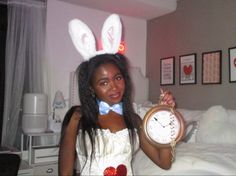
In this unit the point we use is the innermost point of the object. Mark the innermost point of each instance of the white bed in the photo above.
(209, 147)
(193, 159)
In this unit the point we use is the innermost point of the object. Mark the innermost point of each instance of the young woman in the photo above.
(103, 134)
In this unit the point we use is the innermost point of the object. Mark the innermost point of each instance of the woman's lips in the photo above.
(115, 95)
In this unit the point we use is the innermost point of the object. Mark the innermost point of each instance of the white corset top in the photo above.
(111, 150)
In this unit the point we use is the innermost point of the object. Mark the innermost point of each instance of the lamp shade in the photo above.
(59, 101)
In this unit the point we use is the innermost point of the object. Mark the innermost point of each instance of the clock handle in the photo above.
(172, 144)
(162, 94)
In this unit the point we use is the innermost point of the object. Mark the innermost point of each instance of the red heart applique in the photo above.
(188, 69)
(234, 62)
(119, 171)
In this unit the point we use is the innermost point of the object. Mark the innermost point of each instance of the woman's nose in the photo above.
(113, 85)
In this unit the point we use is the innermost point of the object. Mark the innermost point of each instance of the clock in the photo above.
(163, 126)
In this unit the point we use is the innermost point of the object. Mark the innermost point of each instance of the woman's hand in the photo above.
(166, 98)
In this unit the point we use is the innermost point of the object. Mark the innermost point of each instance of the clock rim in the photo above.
(177, 114)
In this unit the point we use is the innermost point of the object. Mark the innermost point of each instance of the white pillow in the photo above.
(135, 106)
(142, 108)
(191, 118)
(215, 127)
(143, 111)
(190, 132)
(232, 116)
(191, 115)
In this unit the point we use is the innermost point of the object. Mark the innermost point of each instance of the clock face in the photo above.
(163, 127)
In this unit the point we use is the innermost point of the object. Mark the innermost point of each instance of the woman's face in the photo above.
(108, 83)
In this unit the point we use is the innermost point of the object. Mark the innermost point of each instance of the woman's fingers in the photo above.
(167, 98)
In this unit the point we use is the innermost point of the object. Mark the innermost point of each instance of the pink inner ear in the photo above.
(110, 33)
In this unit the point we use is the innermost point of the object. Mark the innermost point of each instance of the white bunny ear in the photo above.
(83, 38)
(111, 34)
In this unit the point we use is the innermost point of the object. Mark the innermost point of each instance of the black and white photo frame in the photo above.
(167, 68)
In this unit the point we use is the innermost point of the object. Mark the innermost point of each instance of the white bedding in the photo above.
(192, 159)
(210, 150)
(210, 142)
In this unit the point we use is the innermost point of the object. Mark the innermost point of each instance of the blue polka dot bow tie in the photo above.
(104, 108)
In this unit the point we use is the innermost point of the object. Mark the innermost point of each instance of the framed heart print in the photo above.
(187, 68)
(232, 64)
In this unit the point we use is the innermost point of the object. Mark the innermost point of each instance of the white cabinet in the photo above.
(43, 169)
(46, 150)
(46, 169)
(25, 169)
(42, 157)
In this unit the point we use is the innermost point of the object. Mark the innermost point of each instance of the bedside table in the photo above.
(42, 158)
(50, 149)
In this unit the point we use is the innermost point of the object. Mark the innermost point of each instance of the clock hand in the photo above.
(159, 122)
(170, 123)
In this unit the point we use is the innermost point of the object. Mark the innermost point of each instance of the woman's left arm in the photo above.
(160, 156)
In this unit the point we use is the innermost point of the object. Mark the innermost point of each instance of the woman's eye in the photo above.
(103, 83)
(119, 77)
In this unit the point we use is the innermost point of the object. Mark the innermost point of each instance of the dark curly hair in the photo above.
(89, 107)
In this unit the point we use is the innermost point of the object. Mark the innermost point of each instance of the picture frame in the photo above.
(167, 70)
(232, 64)
(187, 69)
(211, 67)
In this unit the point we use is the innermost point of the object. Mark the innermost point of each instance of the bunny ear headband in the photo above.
(84, 40)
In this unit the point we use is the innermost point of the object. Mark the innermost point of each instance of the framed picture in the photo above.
(187, 69)
(211, 67)
(167, 71)
(232, 64)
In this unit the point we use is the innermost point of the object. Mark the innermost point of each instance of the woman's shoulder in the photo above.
(69, 114)
(137, 118)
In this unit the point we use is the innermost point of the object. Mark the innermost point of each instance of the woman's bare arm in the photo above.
(160, 156)
(67, 148)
